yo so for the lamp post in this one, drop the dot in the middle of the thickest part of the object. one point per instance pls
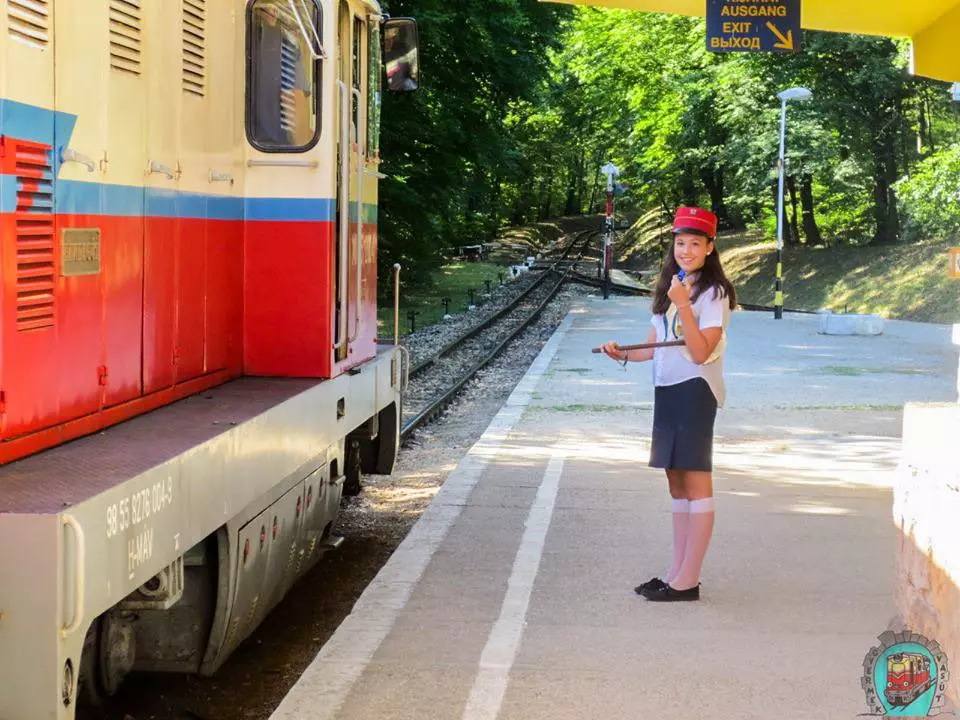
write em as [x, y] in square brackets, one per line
[797, 93]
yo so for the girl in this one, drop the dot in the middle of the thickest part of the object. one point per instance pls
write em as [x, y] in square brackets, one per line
[692, 302]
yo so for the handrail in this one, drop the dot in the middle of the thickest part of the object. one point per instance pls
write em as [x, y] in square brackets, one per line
[158, 167]
[344, 193]
[76, 618]
[69, 155]
[355, 93]
[283, 163]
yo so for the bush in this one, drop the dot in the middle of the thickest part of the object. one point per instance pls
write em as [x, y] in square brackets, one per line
[930, 198]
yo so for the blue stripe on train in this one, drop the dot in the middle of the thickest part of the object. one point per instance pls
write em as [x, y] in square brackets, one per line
[54, 128]
[83, 198]
[36, 124]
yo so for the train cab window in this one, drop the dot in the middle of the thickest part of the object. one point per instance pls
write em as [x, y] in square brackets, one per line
[374, 89]
[282, 76]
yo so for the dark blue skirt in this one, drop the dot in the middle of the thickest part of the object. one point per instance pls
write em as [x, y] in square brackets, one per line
[683, 417]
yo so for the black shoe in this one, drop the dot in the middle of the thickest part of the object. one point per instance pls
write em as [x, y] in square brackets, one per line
[669, 594]
[650, 585]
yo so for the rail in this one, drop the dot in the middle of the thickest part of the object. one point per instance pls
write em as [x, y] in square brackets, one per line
[497, 316]
[437, 404]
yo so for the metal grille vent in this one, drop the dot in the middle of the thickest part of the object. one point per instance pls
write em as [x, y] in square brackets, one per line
[28, 21]
[125, 35]
[34, 238]
[194, 46]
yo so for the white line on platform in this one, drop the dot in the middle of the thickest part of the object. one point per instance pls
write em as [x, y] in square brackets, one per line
[490, 685]
[325, 684]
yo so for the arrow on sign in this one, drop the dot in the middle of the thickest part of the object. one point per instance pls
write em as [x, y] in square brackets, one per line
[786, 43]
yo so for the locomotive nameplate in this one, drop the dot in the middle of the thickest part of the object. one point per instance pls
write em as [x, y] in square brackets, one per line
[80, 251]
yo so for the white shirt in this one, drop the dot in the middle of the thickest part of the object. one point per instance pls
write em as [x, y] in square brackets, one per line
[672, 366]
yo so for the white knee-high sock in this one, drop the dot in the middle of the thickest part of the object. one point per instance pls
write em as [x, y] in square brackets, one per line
[699, 530]
[681, 511]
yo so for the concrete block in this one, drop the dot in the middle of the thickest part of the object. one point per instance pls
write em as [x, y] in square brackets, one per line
[850, 324]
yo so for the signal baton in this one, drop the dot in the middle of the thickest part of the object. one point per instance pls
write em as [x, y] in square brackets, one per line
[681, 276]
[645, 346]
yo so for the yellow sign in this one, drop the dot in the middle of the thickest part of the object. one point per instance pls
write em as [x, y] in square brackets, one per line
[954, 270]
[753, 25]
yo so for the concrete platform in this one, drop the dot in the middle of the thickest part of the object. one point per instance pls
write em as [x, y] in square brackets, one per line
[513, 596]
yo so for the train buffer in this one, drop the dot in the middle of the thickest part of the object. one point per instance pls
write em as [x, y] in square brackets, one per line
[513, 595]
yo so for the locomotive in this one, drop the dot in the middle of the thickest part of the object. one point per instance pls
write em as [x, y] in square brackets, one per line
[908, 677]
[189, 366]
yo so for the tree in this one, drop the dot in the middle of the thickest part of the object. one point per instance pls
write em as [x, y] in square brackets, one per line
[447, 152]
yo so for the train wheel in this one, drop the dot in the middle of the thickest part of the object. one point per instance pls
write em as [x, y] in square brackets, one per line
[90, 693]
[378, 455]
[109, 649]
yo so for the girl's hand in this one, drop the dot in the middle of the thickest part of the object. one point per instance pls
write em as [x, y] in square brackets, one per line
[612, 349]
[678, 293]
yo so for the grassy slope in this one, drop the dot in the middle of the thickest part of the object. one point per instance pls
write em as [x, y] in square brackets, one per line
[907, 282]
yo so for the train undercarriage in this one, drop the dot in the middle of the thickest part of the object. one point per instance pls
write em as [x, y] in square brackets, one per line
[168, 538]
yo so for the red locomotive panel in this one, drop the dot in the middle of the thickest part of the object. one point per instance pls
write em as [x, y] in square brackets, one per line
[288, 291]
[175, 294]
[122, 281]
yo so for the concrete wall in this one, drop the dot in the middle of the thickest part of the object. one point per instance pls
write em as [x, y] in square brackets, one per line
[926, 510]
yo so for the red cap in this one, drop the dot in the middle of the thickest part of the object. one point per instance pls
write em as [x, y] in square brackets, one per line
[695, 219]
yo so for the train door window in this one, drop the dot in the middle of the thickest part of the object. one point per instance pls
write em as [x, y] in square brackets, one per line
[283, 88]
[374, 89]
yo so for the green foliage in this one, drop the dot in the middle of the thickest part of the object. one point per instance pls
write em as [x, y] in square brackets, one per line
[522, 102]
[447, 149]
[931, 196]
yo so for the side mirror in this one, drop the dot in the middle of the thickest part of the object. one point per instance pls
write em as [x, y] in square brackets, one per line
[401, 54]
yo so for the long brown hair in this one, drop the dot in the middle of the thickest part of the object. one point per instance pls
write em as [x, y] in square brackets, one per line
[711, 275]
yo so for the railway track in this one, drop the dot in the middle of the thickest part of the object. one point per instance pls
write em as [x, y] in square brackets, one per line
[436, 381]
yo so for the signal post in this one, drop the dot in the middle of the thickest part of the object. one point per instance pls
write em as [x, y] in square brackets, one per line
[606, 261]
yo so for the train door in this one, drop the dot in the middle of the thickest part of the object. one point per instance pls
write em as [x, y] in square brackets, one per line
[161, 197]
[224, 142]
[123, 164]
[28, 398]
[80, 138]
[193, 182]
[351, 84]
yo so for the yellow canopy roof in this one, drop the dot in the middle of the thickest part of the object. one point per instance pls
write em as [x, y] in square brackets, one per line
[933, 25]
